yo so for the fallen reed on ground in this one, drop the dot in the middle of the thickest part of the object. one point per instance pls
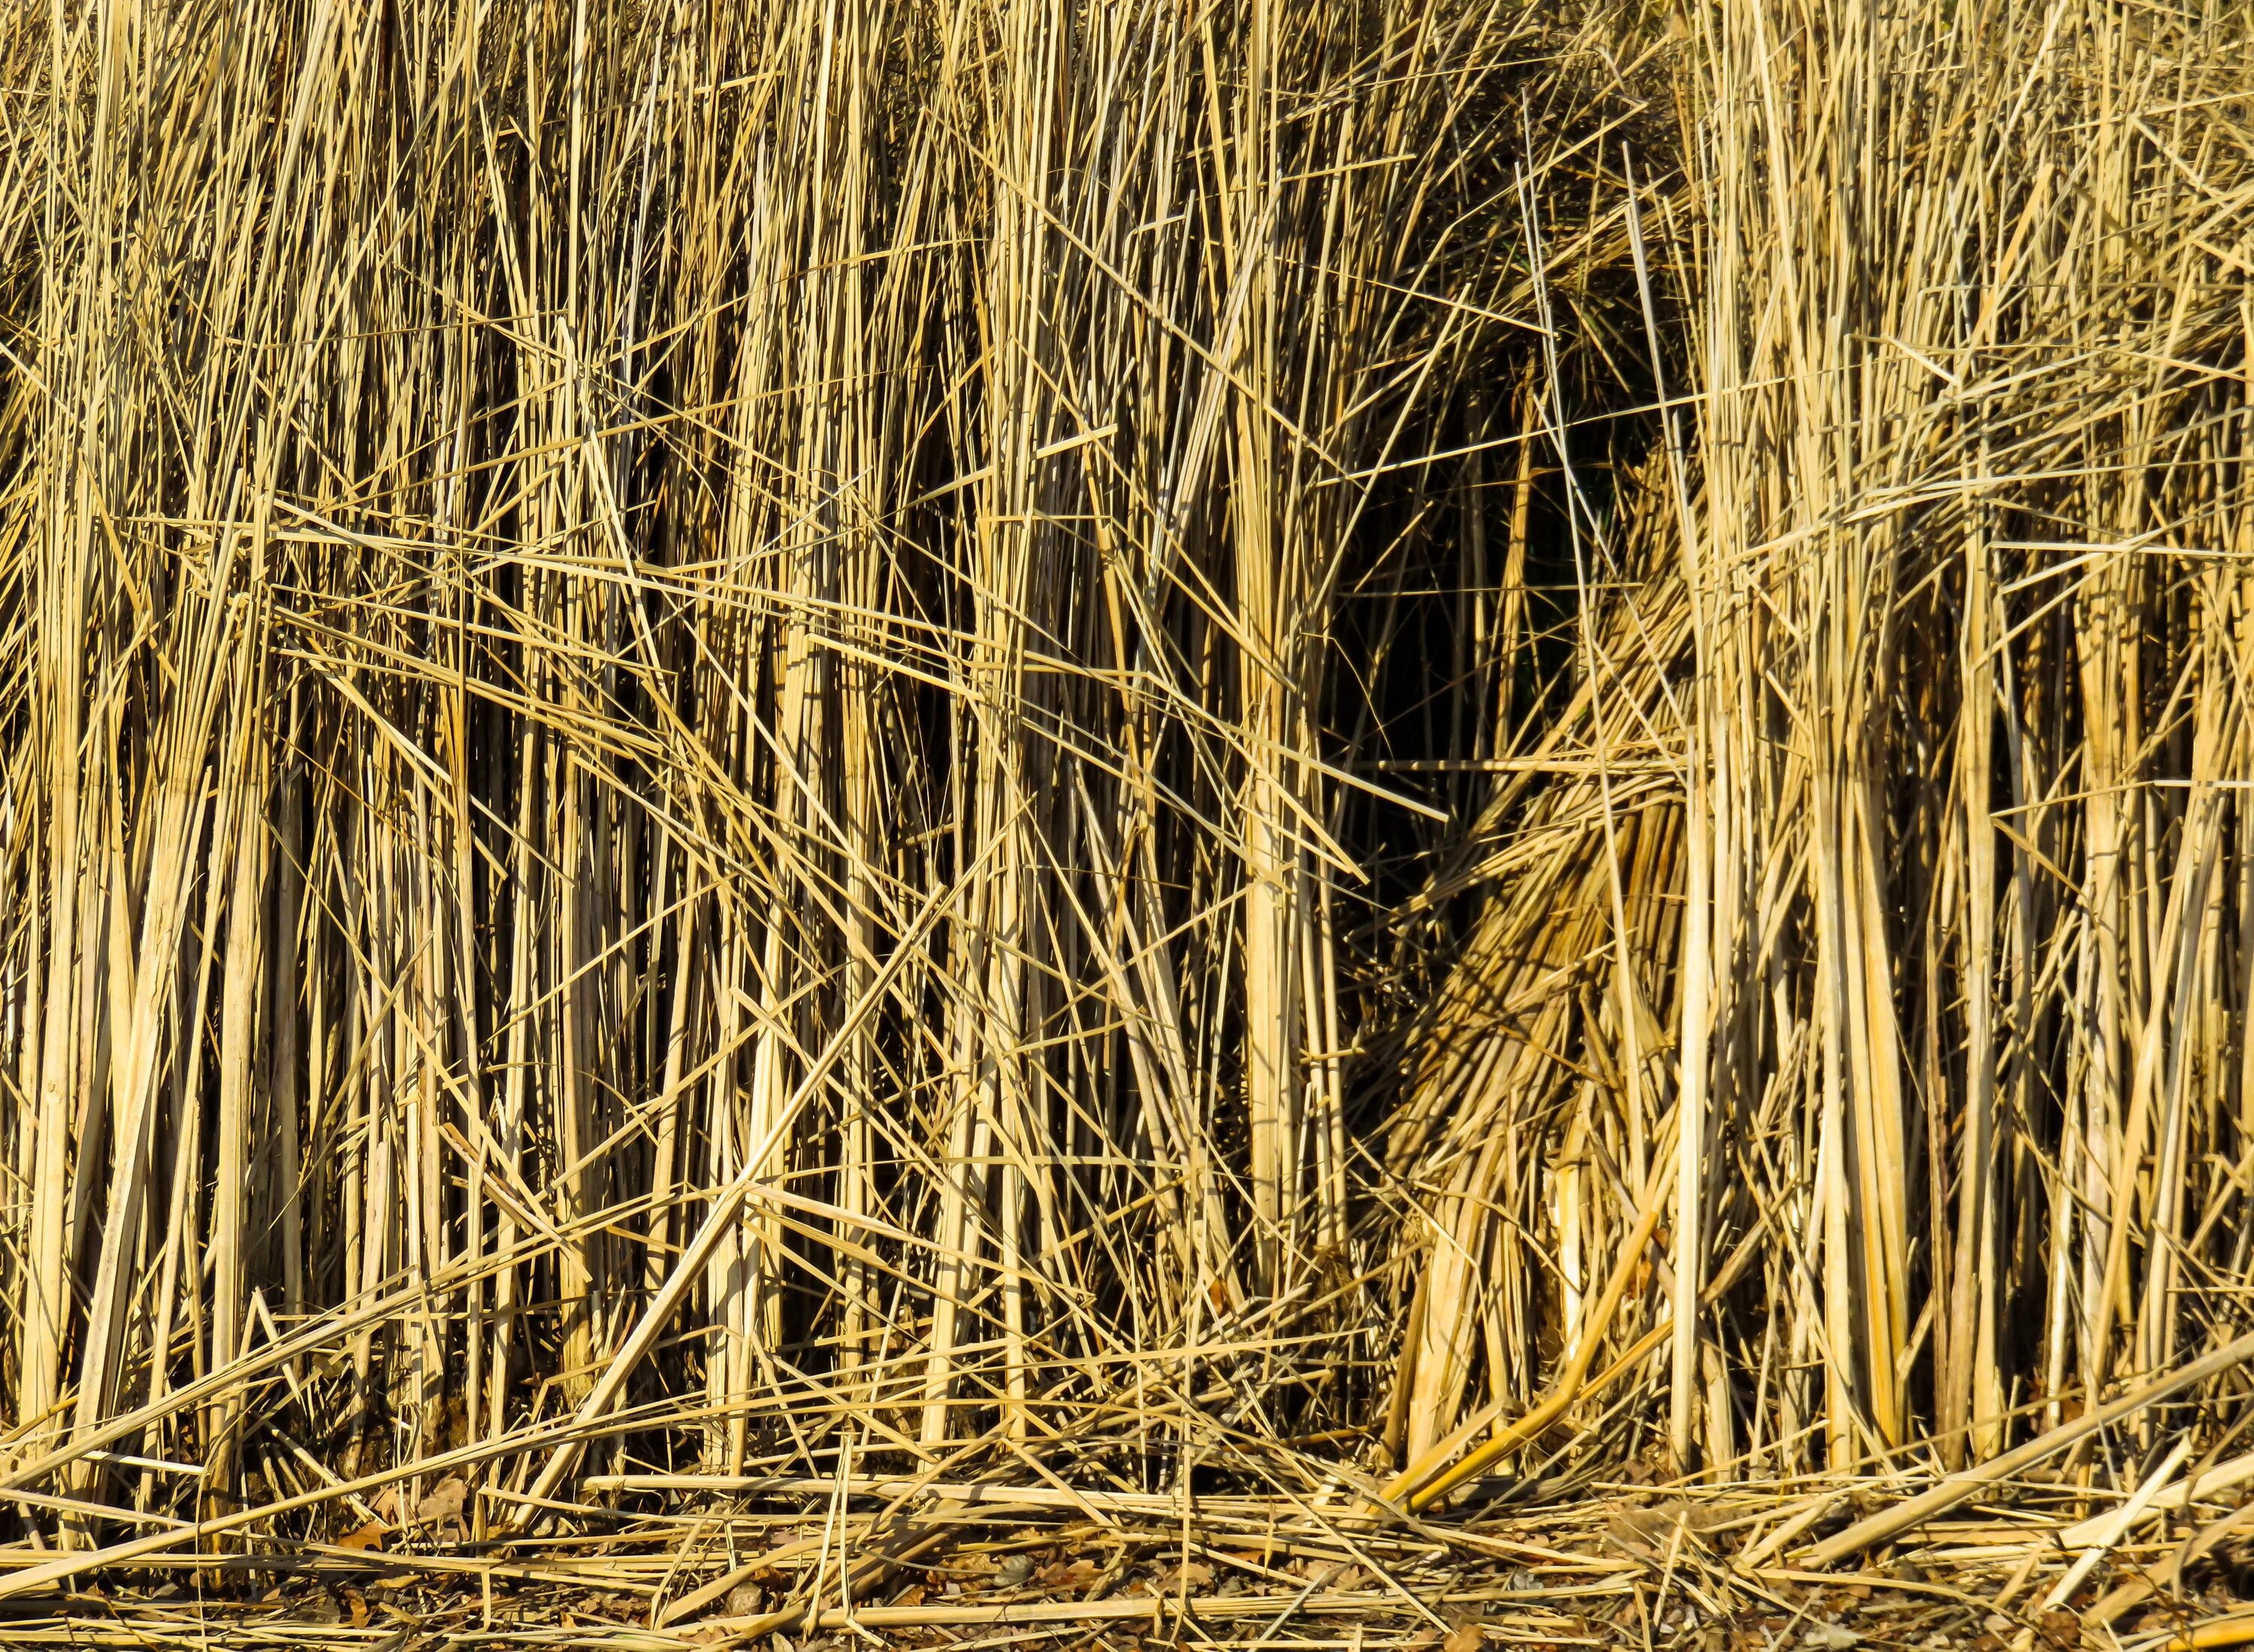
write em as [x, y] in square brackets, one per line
[1311, 751]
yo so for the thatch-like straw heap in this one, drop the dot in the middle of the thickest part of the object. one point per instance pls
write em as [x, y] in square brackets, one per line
[1302, 751]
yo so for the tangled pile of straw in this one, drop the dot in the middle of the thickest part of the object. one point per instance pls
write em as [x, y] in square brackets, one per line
[1115, 740]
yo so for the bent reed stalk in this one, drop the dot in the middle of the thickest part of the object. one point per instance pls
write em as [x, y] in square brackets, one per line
[1121, 744]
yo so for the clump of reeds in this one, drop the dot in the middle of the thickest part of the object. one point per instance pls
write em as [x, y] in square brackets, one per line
[1883, 938]
[1111, 740]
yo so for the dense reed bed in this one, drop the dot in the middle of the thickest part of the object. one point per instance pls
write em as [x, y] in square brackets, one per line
[1125, 746]
[1889, 944]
